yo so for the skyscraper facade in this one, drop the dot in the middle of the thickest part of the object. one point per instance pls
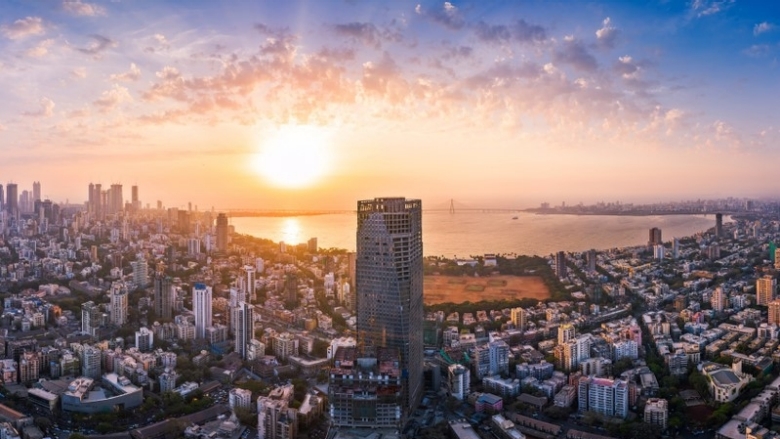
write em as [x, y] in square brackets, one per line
[244, 316]
[654, 237]
[12, 198]
[560, 265]
[36, 196]
[389, 284]
[765, 290]
[718, 225]
[201, 306]
[163, 294]
[774, 312]
[118, 304]
[222, 232]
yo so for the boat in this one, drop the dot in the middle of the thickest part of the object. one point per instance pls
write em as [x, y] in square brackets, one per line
[514, 217]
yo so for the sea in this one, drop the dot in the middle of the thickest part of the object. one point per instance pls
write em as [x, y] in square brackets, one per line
[465, 234]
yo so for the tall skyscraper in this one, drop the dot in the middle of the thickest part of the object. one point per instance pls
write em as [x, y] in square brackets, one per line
[249, 282]
[244, 316]
[222, 232]
[201, 306]
[389, 279]
[718, 225]
[134, 198]
[765, 290]
[36, 196]
[12, 198]
[566, 332]
[163, 294]
[518, 318]
[718, 299]
[654, 237]
[560, 265]
[2, 197]
[118, 303]
[116, 203]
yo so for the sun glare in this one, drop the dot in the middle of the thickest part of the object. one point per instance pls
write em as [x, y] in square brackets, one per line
[296, 156]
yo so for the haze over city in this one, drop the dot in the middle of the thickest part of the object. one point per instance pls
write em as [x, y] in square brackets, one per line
[317, 104]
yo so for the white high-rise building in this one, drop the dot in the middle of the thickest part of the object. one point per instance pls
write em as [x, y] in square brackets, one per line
[718, 299]
[605, 396]
[140, 273]
[144, 339]
[765, 290]
[248, 282]
[459, 381]
[201, 306]
[240, 399]
[118, 303]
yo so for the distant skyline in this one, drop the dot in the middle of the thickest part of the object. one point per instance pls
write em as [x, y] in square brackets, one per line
[486, 102]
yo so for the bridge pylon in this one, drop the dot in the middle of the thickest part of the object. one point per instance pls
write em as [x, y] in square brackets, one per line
[452, 206]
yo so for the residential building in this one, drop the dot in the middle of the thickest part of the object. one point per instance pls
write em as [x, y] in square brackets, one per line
[201, 307]
[765, 290]
[657, 412]
[458, 381]
[608, 397]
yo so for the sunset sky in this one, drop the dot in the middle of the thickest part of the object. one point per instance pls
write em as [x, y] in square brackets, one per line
[234, 103]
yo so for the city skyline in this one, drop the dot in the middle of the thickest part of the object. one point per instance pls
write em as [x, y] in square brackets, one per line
[538, 102]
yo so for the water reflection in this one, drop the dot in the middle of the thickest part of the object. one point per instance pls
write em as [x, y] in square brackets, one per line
[291, 231]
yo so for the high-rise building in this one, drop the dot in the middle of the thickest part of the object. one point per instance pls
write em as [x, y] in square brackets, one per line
[164, 293]
[657, 412]
[774, 312]
[240, 399]
[2, 198]
[275, 418]
[248, 282]
[29, 366]
[718, 225]
[116, 203]
[458, 381]
[560, 265]
[605, 396]
[118, 304]
[718, 299]
[140, 272]
[222, 232]
[167, 380]
[566, 332]
[201, 306]
[389, 274]
[654, 237]
[776, 258]
[285, 345]
[765, 290]
[36, 193]
[12, 199]
[518, 318]
[90, 317]
[244, 327]
[136, 203]
[590, 259]
[144, 339]
[91, 366]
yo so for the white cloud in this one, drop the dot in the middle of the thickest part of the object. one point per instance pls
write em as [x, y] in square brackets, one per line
[132, 75]
[760, 28]
[23, 27]
[40, 49]
[710, 7]
[111, 98]
[606, 34]
[77, 7]
[46, 109]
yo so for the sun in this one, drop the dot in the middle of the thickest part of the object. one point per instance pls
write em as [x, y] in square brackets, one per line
[295, 156]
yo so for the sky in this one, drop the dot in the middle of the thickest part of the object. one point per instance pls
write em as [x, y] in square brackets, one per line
[489, 103]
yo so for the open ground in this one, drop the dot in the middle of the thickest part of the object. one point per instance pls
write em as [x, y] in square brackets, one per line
[459, 289]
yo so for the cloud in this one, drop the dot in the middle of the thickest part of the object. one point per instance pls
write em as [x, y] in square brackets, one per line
[98, 45]
[79, 72]
[40, 49]
[762, 27]
[448, 15]
[46, 109]
[607, 34]
[77, 7]
[710, 7]
[758, 50]
[574, 53]
[364, 33]
[132, 75]
[626, 67]
[109, 99]
[159, 43]
[24, 27]
[3, 127]
[520, 31]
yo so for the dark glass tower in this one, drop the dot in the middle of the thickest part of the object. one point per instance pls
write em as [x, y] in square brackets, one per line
[389, 286]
